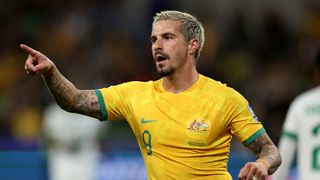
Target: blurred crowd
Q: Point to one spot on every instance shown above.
(263, 49)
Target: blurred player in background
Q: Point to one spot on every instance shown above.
(301, 134)
(72, 144)
(184, 121)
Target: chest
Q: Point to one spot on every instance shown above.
(181, 121)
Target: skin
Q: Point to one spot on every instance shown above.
(179, 73)
(180, 67)
(268, 161)
(64, 92)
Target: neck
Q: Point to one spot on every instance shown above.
(180, 81)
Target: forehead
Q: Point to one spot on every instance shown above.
(165, 26)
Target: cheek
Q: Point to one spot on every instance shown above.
(180, 51)
(176, 50)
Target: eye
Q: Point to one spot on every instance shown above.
(168, 37)
(153, 40)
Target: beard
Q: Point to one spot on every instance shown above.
(163, 72)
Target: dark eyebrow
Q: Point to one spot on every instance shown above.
(168, 34)
(153, 37)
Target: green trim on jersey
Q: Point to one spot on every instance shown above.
(102, 105)
(253, 137)
(290, 135)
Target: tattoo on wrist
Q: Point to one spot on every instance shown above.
(264, 148)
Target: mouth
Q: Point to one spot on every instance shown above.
(159, 57)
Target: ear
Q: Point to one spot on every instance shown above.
(193, 46)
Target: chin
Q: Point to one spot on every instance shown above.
(165, 72)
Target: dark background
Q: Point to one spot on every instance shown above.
(263, 49)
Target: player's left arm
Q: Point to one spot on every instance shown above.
(269, 159)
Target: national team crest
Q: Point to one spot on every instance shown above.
(198, 126)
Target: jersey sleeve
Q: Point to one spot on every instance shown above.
(244, 123)
(113, 102)
(287, 149)
(288, 142)
(289, 129)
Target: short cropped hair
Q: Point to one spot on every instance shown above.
(190, 27)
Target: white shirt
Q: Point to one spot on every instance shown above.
(301, 134)
(72, 140)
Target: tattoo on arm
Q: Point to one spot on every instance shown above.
(264, 148)
(70, 98)
(86, 102)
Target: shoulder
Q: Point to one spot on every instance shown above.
(130, 88)
(220, 89)
(212, 84)
(312, 95)
(133, 85)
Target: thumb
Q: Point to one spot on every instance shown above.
(43, 67)
(39, 68)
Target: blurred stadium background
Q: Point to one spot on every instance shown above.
(263, 49)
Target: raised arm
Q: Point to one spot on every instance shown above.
(64, 92)
(268, 161)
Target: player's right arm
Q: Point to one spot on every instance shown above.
(64, 92)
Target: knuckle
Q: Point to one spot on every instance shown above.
(247, 164)
(255, 168)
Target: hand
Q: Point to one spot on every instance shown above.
(36, 61)
(254, 171)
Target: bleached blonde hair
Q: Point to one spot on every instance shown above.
(190, 27)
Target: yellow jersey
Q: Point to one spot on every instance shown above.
(185, 135)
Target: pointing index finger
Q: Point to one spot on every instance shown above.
(28, 50)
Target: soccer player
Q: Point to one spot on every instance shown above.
(184, 121)
(301, 134)
(71, 141)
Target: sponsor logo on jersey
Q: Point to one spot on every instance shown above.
(253, 114)
(198, 144)
(198, 126)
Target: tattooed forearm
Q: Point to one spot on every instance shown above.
(86, 102)
(264, 148)
(61, 89)
(69, 97)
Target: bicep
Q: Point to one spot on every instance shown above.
(86, 102)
